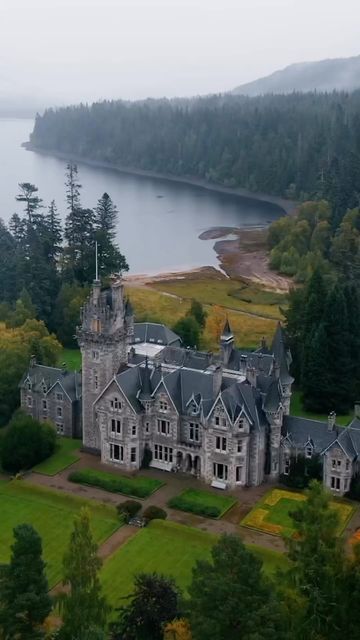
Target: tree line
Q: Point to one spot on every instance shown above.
(302, 146)
(315, 596)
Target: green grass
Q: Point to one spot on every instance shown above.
(203, 503)
(297, 409)
(71, 358)
(168, 548)
(52, 514)
(135, 486)
(64, 456)
(272, 513)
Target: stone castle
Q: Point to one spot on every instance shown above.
(142, 396)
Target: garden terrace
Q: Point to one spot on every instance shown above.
(134, 486)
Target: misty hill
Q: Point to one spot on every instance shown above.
(341, 74)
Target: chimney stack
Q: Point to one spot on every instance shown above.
(331, 420)
(32, 361)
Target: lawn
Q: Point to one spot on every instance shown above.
(66, 454)
(297, 409)
(71, 358)
(135, 486)
(154, 306)
(203, 503)
(52, 514)
(272, 513)
(168, 548)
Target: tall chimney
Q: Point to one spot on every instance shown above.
(331, 420)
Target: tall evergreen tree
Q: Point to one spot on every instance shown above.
(110, 259)
(28, 195)
(84, 609)
(246, 605)
(72, 188)
(336, 326)
(24, 599)
(53, 233)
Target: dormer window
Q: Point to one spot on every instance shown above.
(308, 451)
(28, 385)
(115, 403)
(163, 405)
(59, 397)
(241, 423)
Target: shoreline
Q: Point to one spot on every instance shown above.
(288, 206)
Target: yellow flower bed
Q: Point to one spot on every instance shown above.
(256, 519)
(277, 494)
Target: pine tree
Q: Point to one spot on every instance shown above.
(84, 609)
(317, 565)
(24, 599)
(231, 598)
(110, 259)
(53, 233)
(316, 386)
(28, 195)
(72, 188)
(336, 326)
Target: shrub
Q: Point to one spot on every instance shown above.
(128, 509)
(147, 457)
(140, 487)
(302, 470)
(182, 503)
(26, 443)
(155, 513)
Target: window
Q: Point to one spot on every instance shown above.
(162, 453)
(223, 422)
(59, 397)
(96, 381)
(29, 401)
(133, 430)
(96, 325)
(220, 444)
(163, 427)
(194, 433)
(59, 428)
(44, 405)
(347, 465)
(28, 385)
(116, 452)
(115, 426)
(163, 406)
(239, 446)
(115, 403)
(220, 471)
(308, 451)
(241, 423)
(44, 389)
(59, 412)
(133, 454)
(147, 427)
(95, 356)
(335, 483)
(287, 466)
(217, 420)
(238, 476)
(346, 484)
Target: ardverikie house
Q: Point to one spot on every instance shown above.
(224, 418)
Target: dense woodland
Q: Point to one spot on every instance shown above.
(299, 145)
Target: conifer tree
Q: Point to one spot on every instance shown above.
(316, 384)
(32, 201)
(110, 260)
(336, 327)
(72, 188)
(84, 609)
(230, 597)
(53, 233)
(24, 599)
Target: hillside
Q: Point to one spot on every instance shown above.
(342, 74)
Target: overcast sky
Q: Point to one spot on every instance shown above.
(72, 50)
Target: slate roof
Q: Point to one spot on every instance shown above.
(301, 430)
(155, 333)
(40, 374)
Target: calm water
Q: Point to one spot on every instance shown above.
(159, 220)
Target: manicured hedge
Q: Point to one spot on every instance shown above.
(180, 502)
(203, 503)
(138, 486)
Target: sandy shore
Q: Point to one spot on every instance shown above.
(287, 205)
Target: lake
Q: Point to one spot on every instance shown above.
(159, 220)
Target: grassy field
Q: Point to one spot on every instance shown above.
(272, 513)
(52, 514)
(168, 548)
(64, 456)
(135, 486)
(71, 358)
(203, 503)
(151, 305)
(297, 409)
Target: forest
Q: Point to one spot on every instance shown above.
(302, 146)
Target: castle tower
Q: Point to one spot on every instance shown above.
(226, 343)
(106, 328)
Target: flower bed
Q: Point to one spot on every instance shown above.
(272, 513)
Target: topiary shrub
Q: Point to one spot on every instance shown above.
(154, 513)
(26, 442)
(182, 503)
(128, 509)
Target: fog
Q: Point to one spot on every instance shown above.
(61, 51)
